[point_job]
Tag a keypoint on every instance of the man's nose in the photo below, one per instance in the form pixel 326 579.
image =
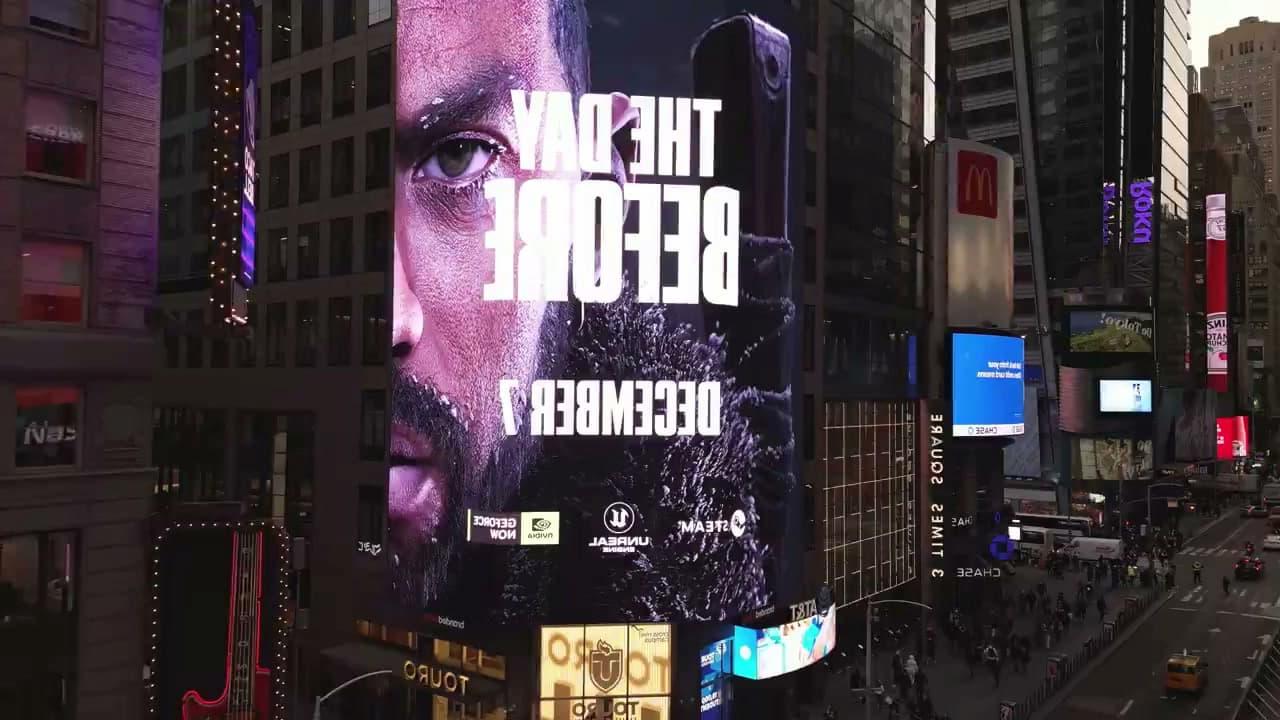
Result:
pixel 406 312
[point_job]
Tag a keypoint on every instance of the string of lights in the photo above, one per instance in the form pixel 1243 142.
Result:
pixel 231 106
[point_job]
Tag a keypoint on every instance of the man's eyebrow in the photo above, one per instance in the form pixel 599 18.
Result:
pixel 478 96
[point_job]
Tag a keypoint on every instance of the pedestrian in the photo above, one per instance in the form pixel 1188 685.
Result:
pixel 1102 608
pixel 1088 572
pixel 931 644
pixel 1196 567
pixel 912 667
pixel 857 686
pixel 971 657
pixel 1226 585
pixel 992 657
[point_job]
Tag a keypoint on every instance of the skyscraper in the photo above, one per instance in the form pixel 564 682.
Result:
pixel 1244 66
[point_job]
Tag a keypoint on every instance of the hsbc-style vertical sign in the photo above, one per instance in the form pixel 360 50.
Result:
pixel 1110 213
pixel 248 140
pixel 1215 292
pixel 979 235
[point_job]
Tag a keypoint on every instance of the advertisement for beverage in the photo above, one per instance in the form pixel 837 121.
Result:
pixel 1215 297
pixel 593 320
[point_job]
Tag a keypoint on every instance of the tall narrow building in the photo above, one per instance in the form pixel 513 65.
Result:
pixel 78 166
pixel 1244 66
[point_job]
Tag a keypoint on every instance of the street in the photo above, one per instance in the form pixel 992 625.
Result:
pixel 1231 631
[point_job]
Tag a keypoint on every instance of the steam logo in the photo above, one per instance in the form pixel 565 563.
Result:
pixel 619 518
pixel 738 523
pixel 541 524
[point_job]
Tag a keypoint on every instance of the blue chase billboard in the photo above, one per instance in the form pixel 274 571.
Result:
pixel 987 385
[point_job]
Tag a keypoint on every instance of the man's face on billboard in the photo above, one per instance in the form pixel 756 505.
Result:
pixel 457 62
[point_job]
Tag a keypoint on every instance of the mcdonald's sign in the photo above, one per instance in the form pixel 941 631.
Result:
pixel 976 184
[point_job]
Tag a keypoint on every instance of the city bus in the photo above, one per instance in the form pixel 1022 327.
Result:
pixel 1271 495
pixel 1061 525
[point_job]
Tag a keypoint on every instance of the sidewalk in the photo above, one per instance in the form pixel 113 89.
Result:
pixel 974 695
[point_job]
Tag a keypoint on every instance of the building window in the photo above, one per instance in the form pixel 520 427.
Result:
pixel 173 151
pixel 312 24
pixel 246 348
pixel 278 181
pixel 200 150
pixel 342 167
pixel 374 340
pixel 172 217
pixel 377 159
pixel 195 339
pixel 173 93
pixel 281 107
pixel 377 241
pixel 379 11
pixel 189 446
pixel 72 18
pixel 344 87
pixel 339 331
pixel 308 250
pixel 377 78
pixel 201 211
pixel 38 600
pixel 309 174
pixel 203 71
pixel 47 428
pixel 307 339
pixel 809 325
pixel 219 353
pixel 341 231
pixel 202 12
pixel 373 424
pixel 371 511
pixel 60 133
pixel 277 331
pixel 53 277
pixel 277 254
pixel 807 428
pixel 312 97
pixel 281 29
pixel 344 18
pixel 175 24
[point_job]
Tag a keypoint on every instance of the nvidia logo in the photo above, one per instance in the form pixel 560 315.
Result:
pixel 541 524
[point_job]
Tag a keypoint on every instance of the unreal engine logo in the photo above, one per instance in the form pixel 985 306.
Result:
pixel 619 518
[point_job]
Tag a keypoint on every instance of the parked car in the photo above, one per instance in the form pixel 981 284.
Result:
pixel 1250 568
pixel 1253 511
pixel 1271 542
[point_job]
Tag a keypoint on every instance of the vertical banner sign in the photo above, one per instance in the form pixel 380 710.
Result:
pixel 1215 295
pixel 248 131
pixel 938 494
pixel 1110 213
pixel 1143 206
pixel 979 235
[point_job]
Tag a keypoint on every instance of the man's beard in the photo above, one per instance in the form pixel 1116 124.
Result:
pixel 420 573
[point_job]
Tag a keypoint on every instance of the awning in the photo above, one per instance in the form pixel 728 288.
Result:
pixel 366 657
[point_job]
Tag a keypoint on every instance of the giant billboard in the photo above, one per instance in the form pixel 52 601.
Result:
pixel 1109 331
pixel 1233 437
pixel 979 235
pixel 987 386
pixel 1215 292
pixel 593 318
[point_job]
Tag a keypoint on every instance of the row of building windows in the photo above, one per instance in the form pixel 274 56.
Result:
pixel 342 170
pixel 342 93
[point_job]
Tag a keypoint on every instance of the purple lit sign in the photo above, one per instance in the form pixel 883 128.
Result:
pixel 1110 209
pixel 1142 205
pixel 248 130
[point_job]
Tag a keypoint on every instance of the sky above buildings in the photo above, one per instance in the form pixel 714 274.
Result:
pixel 1210 17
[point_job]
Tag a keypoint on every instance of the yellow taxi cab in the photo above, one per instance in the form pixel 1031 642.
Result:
pixel 1186 673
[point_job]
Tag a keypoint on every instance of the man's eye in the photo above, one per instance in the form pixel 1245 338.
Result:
pixel 457 161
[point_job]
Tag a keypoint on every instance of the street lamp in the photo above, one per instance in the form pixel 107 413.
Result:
pixel 315 712
pixel 870 605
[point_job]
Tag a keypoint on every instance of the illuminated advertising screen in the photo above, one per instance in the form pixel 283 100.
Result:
pixel 1143 206
pixel 219 644
pixel 1124 396
pixel 1110 331
pixel 1233 437
pixel 248 140
pixel 715 665
pixel 47 426
pixel 986 385
pixel 1215 294
pixel 593 313
pixel 760 654
pixel 619 671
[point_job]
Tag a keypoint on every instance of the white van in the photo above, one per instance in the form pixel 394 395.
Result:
pixel 1094 548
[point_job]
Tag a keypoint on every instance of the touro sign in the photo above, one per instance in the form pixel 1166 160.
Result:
pixel 614 671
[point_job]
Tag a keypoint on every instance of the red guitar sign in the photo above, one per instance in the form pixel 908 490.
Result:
pixel 248 685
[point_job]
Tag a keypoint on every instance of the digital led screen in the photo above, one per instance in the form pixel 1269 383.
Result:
pixel 760 654
pixel 1124 396
pixel 248 140
pixel 987 385
pixel 1233 437
pixel 1216 264
pixel 1110 331
pixel 715 665
pixel 590 313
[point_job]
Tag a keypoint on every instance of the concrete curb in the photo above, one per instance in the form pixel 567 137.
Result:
pixel 1065 691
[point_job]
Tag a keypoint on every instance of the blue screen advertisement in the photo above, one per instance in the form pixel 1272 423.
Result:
pixel 248 131
pixel 986 385
pixel 715 665
pixel 770 652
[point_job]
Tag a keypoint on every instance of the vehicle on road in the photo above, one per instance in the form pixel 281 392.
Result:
pixel 1062 525
pixel 1253 511
pixel 1094 548
pixel 1271 542
pixel 1271 494
pixel 1250 568
pixel 1186 673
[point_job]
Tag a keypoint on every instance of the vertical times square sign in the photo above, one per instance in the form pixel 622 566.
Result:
pixel 1110 213
pixel 1142 206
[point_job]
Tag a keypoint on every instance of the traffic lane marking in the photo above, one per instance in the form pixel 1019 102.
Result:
pixel 1126 707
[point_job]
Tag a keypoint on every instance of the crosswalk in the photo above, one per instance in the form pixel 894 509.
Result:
pixel 1211 552
pixel 1251 597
